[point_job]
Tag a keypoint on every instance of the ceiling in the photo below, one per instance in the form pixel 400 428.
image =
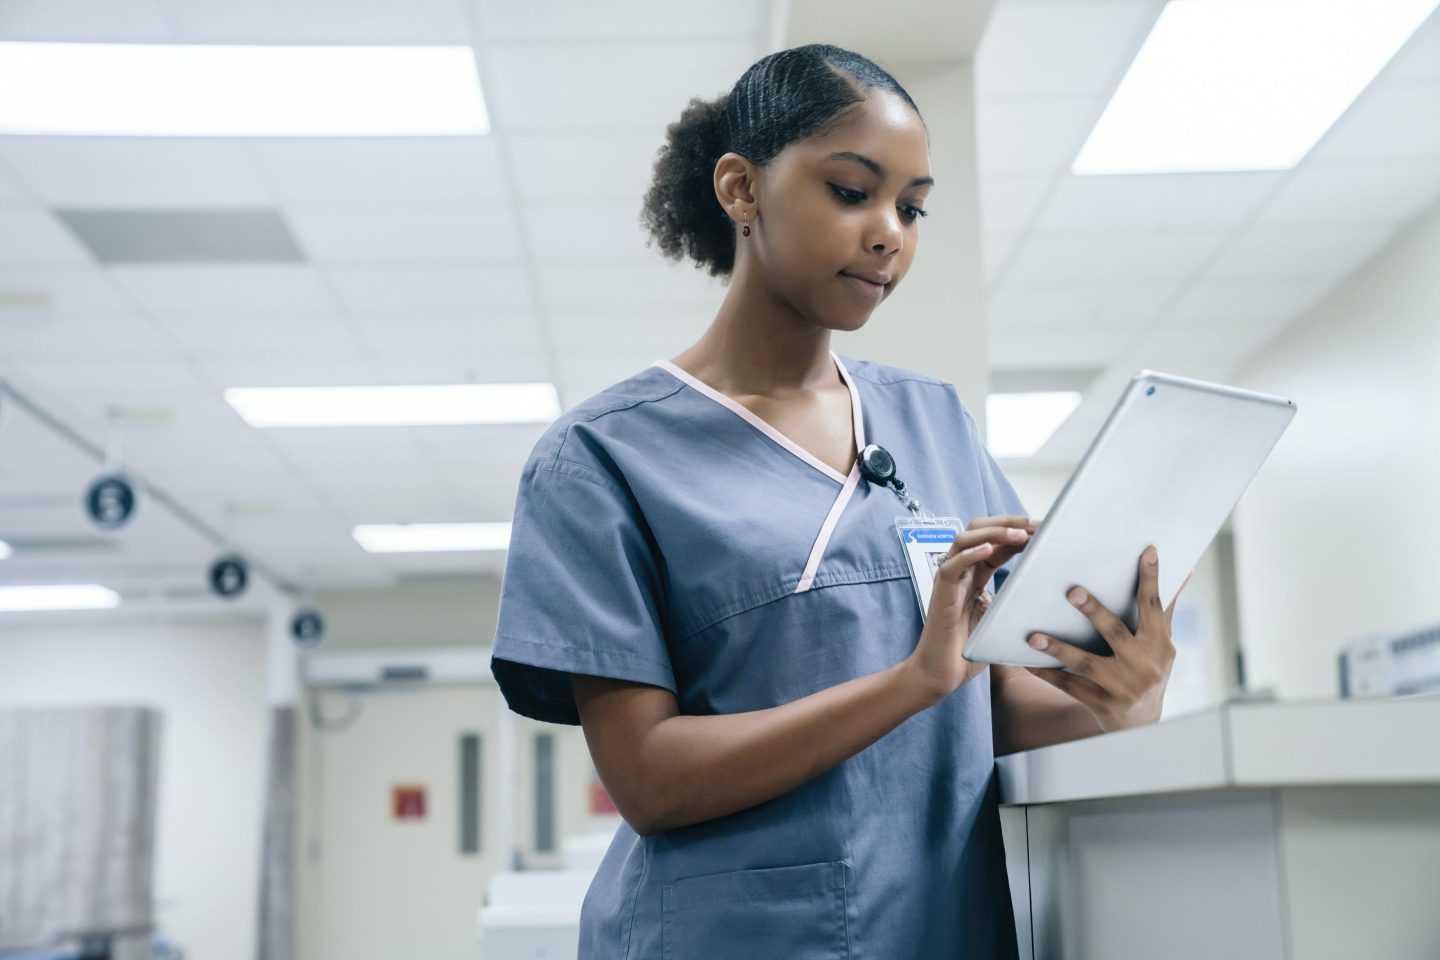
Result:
pixel 518 256
pixel 1190 274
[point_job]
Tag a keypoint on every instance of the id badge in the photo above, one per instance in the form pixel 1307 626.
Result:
pixel 926 542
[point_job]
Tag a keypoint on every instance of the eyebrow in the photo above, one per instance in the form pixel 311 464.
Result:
pixel 874 167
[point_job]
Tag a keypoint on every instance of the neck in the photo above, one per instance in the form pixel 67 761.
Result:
pixel 758 345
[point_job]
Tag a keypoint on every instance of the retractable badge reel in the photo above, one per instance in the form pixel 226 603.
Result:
pixel 925 539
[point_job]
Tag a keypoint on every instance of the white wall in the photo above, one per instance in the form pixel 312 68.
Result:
pixel 207 677
pixel 1336 538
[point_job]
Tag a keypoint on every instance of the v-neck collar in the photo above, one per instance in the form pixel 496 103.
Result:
pixel 744 413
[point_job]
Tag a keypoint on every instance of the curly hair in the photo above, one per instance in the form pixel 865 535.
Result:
pixel 783 97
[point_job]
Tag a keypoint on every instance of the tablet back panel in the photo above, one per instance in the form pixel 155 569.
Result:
pixel 1167 468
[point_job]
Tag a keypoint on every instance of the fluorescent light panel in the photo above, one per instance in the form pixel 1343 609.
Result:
pixel 204 90
pixel 395 406
pixel 60 596
pixel 431 537
pixel 1224 85
pixel 1019 424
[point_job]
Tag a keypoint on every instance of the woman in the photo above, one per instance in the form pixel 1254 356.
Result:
pixel 699 576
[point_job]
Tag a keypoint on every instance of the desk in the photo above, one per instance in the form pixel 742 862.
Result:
pixel 1296 831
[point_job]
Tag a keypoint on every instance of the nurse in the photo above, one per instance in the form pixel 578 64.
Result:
pixel 702 577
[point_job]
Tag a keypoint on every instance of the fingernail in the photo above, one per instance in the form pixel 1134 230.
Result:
pixel 1016 534
pixel 1078 596
pixel 1152 556
pixel 1039 642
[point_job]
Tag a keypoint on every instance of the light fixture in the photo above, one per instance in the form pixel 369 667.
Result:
pixel 137 89
pixel 431 537
pixel 1225 85
pixel 5 550
pixel 59 596
pixel 395 406
pixel 1018 424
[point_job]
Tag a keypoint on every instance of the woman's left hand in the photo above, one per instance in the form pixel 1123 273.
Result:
pixel 1124 690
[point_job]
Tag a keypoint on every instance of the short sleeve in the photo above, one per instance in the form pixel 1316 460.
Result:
pixel 581 592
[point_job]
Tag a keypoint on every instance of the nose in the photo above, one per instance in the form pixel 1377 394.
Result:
pixel 886 234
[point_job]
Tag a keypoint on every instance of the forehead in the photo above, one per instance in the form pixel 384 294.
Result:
pixel 882 127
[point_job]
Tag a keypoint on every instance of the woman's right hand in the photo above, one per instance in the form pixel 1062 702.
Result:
pixel 958 600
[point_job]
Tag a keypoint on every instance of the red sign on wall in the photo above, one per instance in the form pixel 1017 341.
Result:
pixel 408 801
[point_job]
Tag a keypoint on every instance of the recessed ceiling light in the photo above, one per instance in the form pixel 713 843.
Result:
pixel 1018 424
pixel 431 537
pixel 137 89
pixel 395 406
pixel 1225 85
pixel 5 550
pixel 60 596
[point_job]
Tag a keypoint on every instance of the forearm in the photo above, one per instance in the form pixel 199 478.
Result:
pixel 703 767
pixel 1027 712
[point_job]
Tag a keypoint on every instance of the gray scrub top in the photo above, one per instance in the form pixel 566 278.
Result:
pixel 663 534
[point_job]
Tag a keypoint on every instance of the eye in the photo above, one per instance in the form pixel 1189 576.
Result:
pixel 848 195
pixel 912 212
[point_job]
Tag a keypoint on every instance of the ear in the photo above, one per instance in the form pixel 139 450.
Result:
pixel 735 185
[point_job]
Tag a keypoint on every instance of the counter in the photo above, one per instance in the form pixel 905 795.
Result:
pixel 1298 830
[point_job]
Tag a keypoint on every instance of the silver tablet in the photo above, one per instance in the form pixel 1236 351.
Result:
pixel 1167 468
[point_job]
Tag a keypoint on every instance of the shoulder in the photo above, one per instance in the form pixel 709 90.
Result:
pixel 620 414
pixel 907 386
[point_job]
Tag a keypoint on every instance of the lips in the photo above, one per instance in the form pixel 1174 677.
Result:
pixel 877 279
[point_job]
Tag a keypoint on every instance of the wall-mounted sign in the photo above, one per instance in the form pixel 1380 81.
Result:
pixel 228 576
pixel 407 801
pixel 110 501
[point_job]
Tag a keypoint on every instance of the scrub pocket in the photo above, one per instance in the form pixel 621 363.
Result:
pixel 784 913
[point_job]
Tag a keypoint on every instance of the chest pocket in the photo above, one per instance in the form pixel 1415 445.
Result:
pixel 776 913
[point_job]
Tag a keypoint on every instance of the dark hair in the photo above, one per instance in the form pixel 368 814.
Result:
pixel 783 97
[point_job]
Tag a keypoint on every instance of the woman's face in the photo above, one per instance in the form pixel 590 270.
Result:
pixel 834 209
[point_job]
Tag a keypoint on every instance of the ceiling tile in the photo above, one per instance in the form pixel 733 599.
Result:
pixel 134 172
pixel 190 292
pixel 1314 252
pixel 1389 121
pixel 575 232
pixel 227 336
pixel 1023 136
pixel 345 368
pixel 1060 49
pixel 488 337
pixel 400 234
pixel 37 238
pixel 1419 59
pixel 83 293
pixel 1156 201
pixel 995 249
pixel 501 20
pixel 90 21
pixel 1105 255
pixel 596 167
pixel 383 170
pixel 1080 346
pixel 1007 203
pixel 323 21
pixel 434 290
pixel 1210 300
pixel 618 286
pixel 1370 193
pixel 68 338
pixel 608 86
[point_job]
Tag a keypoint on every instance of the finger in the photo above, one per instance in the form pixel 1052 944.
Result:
pixel 998 536
pixel 1027 523
pixel 1170 610
pixel 1151 614
pixel 1084 663
pixel 1086 691
pixel 1111 627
